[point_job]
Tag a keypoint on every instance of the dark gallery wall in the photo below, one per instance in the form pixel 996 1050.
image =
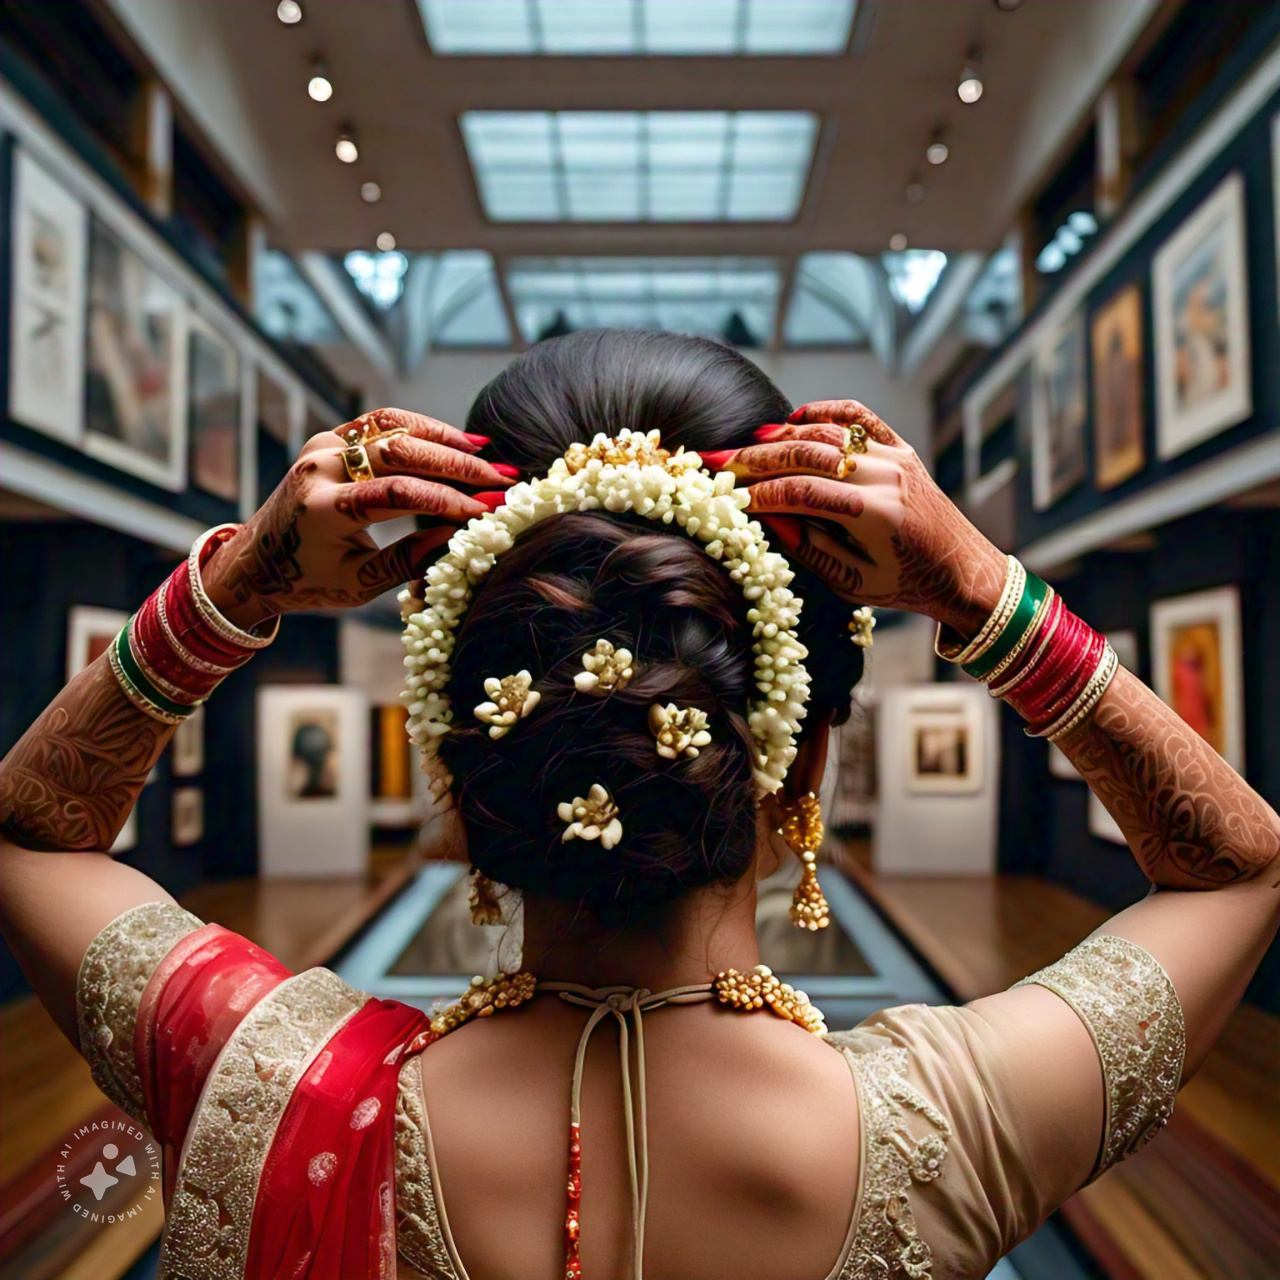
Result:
pixel 51 567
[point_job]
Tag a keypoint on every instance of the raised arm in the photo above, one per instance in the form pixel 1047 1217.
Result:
pixel 849 499
pixel 69 783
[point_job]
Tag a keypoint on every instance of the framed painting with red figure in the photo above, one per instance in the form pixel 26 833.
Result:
pixel 1196 657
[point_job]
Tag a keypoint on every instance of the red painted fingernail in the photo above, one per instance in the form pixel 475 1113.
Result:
pixel 786 529
pixel 504 469
pixel 716 459
pixel 769 430
pixel 478 441
pixel 796 414
pixel 490 499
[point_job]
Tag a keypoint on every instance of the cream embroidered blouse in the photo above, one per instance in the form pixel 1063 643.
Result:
pixel 944 1187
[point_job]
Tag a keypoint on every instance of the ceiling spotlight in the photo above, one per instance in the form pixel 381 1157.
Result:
pixel 320 87
pixel 345 149
pixel 289 12
pixel 898 241
pixel 915 192
pixel 386 242
pixel 370 192
pixel 937 153
pixel 970 86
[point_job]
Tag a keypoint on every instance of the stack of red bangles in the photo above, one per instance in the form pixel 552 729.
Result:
pixel 1033 652
pixel 173 653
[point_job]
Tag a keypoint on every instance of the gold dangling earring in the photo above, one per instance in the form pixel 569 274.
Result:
pixel 802 829
pixel 483 899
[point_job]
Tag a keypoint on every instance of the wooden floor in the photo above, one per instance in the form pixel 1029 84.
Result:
pixel 1201 1203
pixel 46 1090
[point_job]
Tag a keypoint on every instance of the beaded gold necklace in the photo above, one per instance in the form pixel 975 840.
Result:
pixel 758 988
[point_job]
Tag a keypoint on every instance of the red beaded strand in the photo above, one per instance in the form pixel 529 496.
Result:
pixel 572 1221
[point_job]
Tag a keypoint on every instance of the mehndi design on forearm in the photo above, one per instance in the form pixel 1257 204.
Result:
pixel 1191 820
pixel 72 778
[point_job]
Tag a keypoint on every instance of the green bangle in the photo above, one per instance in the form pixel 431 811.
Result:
pixel 1034 592
pixel 141 684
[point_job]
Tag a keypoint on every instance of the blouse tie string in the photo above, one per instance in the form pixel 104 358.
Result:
pixel 618 1003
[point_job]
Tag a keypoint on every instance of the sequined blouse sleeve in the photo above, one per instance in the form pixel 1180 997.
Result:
pixel 1126 1001
pixel 114 973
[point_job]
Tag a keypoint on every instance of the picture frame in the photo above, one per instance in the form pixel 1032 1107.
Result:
pixel 90 630
pixel 49 254
pixel 135 364
pixel 1059 411
pixel 188 816
pixel 1197 665
pixel 214 399
pixel 1201 305
pixel 944 745
pixel 1119 418
pixel 188 746
pixel 1275 193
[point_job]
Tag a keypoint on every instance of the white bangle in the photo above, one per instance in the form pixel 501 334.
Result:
pixel 208 611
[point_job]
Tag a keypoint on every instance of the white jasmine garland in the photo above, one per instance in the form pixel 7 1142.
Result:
pixel 630 472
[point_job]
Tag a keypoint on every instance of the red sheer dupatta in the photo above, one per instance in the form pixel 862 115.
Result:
pixel 273 1095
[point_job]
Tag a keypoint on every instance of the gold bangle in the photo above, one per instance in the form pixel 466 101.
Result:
pixel 208 610
pixel 136 696
pixel 1033 629
pixel 1015 579
pixel 196 664
pixel 1086 700
pixel 1030 664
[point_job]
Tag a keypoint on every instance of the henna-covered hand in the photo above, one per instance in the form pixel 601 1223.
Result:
pixel 1190 819
pixel 307 547
pixel 883 534
pixel 72 778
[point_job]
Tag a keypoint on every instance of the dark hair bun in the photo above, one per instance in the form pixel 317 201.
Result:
pixel 580 578
pixel 686 822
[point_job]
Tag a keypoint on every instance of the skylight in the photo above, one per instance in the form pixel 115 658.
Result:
pixel 913 273
pixel 736 297
pixel 638 28
pixel 379 276
pixel 640 166
pixel 831 297
pixel 286 306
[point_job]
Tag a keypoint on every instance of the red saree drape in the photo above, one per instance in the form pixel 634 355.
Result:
pixel 304 1189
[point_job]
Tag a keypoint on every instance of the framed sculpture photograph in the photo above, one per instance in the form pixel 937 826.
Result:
pixel 213 410
pixel 50 235
pixel 1200 299
pixel 188 746
pixel 313 780
pixel 1119 448
pixel 945 748
pixel 135 374
pixel 89 631
pixel 1197 663
pixel 1060 399
pixel 188 815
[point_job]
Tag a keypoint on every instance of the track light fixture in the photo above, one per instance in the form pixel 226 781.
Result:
pixel 898 241
pixel 370 192
pixel 289 12
pixel 969 89
pixel 937 151
pixel 386 242
pixel 915 191
pixel 345 148
pixel 319 87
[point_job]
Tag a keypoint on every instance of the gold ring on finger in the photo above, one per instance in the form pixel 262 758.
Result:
pixel 355 457
pixel 375 436
pixel 855 442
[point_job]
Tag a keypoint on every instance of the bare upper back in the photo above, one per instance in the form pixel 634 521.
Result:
pixel 752 1139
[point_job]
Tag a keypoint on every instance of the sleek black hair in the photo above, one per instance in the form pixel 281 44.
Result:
pixel 572 580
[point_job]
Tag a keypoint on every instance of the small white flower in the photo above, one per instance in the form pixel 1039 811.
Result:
pixel 511 700
pixel 604 670
pixel 593 818
pixel 678 731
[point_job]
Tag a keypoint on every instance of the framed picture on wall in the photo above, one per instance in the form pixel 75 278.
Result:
pixel 188 815
pixel 1197 663
pixel 46 330
pixel 89 631
pixel 135 368
pixel 1059 407
pixel 213 410
pixel 1199 294
pixel 944 744
pixel 188 746
pixel 1275 184
pixel 1119 449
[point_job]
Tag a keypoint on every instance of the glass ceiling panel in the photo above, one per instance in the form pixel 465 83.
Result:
pixel 913 273
pixel 286 306
pixel 639 166
pixel 830 302
pixel 684 295
pixel 638 28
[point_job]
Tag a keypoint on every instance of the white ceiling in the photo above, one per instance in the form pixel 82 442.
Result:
pixel 241 75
